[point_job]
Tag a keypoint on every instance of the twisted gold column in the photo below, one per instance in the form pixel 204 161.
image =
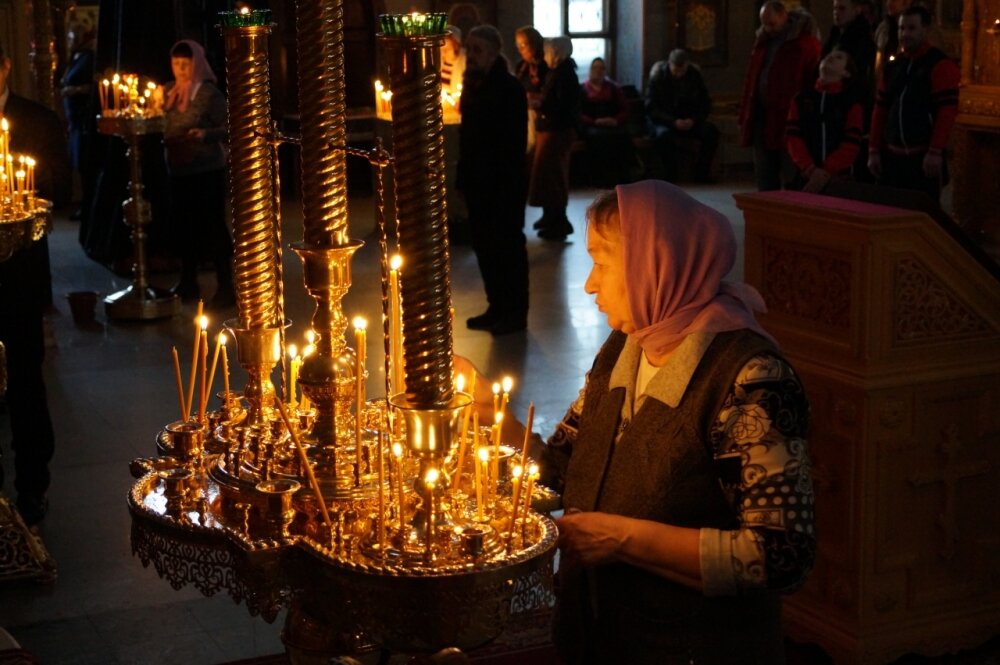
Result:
pixel 418 146
pixel 251 173
pixel 327 377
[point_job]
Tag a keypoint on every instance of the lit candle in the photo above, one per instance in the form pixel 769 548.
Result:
pixel 531 478
pixel 516 474
pixel 305 404
pixel 496 400
pixel 116 90
pixel 180 383
pixel 203 371
pixel 507 383
pixel 430 483
pixel 483 456
pixel 196 345
pixel 397 454
pixel 31 174
pixel 359 371
pixel 495 466
pixel 215 363
pixel 396 325
pixel 293 353
pixel 105 85
pixel 225 367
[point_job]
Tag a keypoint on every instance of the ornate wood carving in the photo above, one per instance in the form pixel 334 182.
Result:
pixel 807 284
pixel 927 309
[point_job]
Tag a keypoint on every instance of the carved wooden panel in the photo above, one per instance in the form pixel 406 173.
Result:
pixel 928 309
pixel 807 283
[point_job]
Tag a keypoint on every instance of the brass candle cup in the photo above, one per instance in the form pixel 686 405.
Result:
pixel 278 503
pixel 187 438
pixel 175 481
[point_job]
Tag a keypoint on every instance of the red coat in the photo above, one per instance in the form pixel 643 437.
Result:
pixel 795 66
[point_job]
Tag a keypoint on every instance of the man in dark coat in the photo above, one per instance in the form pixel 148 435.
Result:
pixel 25 290
pixel 915 111
pixel 678 104
pixel 491 176
pixel 852 34
pixel 784 60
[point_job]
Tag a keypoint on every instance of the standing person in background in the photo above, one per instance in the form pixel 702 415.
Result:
pixel 678 104
pixel 555 127
pixel 823 135
pixel 531 72
pixel 194 136
pixel 852 34
pixel 915 111
pixel 77 90
pixel 452 62
pixel 784 61
pixel 491 176
pixel 887 33
pixel 25 290
pixel 604 113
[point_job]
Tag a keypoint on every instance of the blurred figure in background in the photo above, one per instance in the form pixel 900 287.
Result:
pixel 678 104
pixel 531 72
pixel 604 113
pixel 77 89
pixel 555 127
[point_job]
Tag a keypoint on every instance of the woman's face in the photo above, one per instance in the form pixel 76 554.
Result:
pixel 524 47
pixel 606 280
pixel 597 71
pixel 183 69
pixel 833 67
pixel 551 58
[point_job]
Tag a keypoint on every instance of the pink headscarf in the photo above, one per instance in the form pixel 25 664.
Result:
pixel 677 252
pixel 182 93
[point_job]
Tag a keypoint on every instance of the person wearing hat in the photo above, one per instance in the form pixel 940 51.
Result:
pixel 678 105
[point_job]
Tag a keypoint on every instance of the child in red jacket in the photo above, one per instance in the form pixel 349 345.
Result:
pixel 824 130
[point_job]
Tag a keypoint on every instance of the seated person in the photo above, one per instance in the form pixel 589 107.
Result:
pixel 824 130
pixel 603 120
pixel 678 104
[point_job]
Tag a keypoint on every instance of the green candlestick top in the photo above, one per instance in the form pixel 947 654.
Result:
pixel 245 18
pixel 412 25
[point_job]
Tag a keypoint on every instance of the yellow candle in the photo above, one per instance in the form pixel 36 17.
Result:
pixel 483 456
pixel 507 383
pixel 225 367
pixel 203 373
pixel 198 327
pixel 293 353
pixel 180 382
pixel 359 371
pixel 496 400
pixel 464 437
pixel 397 453
pixel 381 491
pixel 31 174
pixel 516 474
pixel 531 478
pixel 215 363
pixel 527 432
pixel 305 404
pixel 105 85
pixel 396 326
pixel 495 466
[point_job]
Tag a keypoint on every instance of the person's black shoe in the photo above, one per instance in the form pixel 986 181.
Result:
pixel 540 223
pixel 556 232
pixel 32 508
pixel 484 321
pixel 508 325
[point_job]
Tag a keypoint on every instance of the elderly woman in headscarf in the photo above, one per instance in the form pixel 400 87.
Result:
pixel 683 463
pixel 557 114
pixel 196 160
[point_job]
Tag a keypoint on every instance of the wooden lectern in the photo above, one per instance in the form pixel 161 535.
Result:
pixel 895 330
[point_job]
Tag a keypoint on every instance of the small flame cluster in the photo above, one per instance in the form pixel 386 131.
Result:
pixel 17 178
pixel 124 95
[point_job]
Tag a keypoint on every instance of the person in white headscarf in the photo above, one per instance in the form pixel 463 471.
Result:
pixel 194 139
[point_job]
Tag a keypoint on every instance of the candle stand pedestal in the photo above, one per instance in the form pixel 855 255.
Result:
pixel 139 301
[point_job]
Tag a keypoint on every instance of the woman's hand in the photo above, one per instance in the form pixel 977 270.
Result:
pixel 196 134
pixel 591 539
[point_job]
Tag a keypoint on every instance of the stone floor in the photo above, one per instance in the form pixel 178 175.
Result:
pixel 111 389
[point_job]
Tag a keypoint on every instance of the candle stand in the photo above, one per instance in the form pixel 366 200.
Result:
pixel 139 301
pixel 371 520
